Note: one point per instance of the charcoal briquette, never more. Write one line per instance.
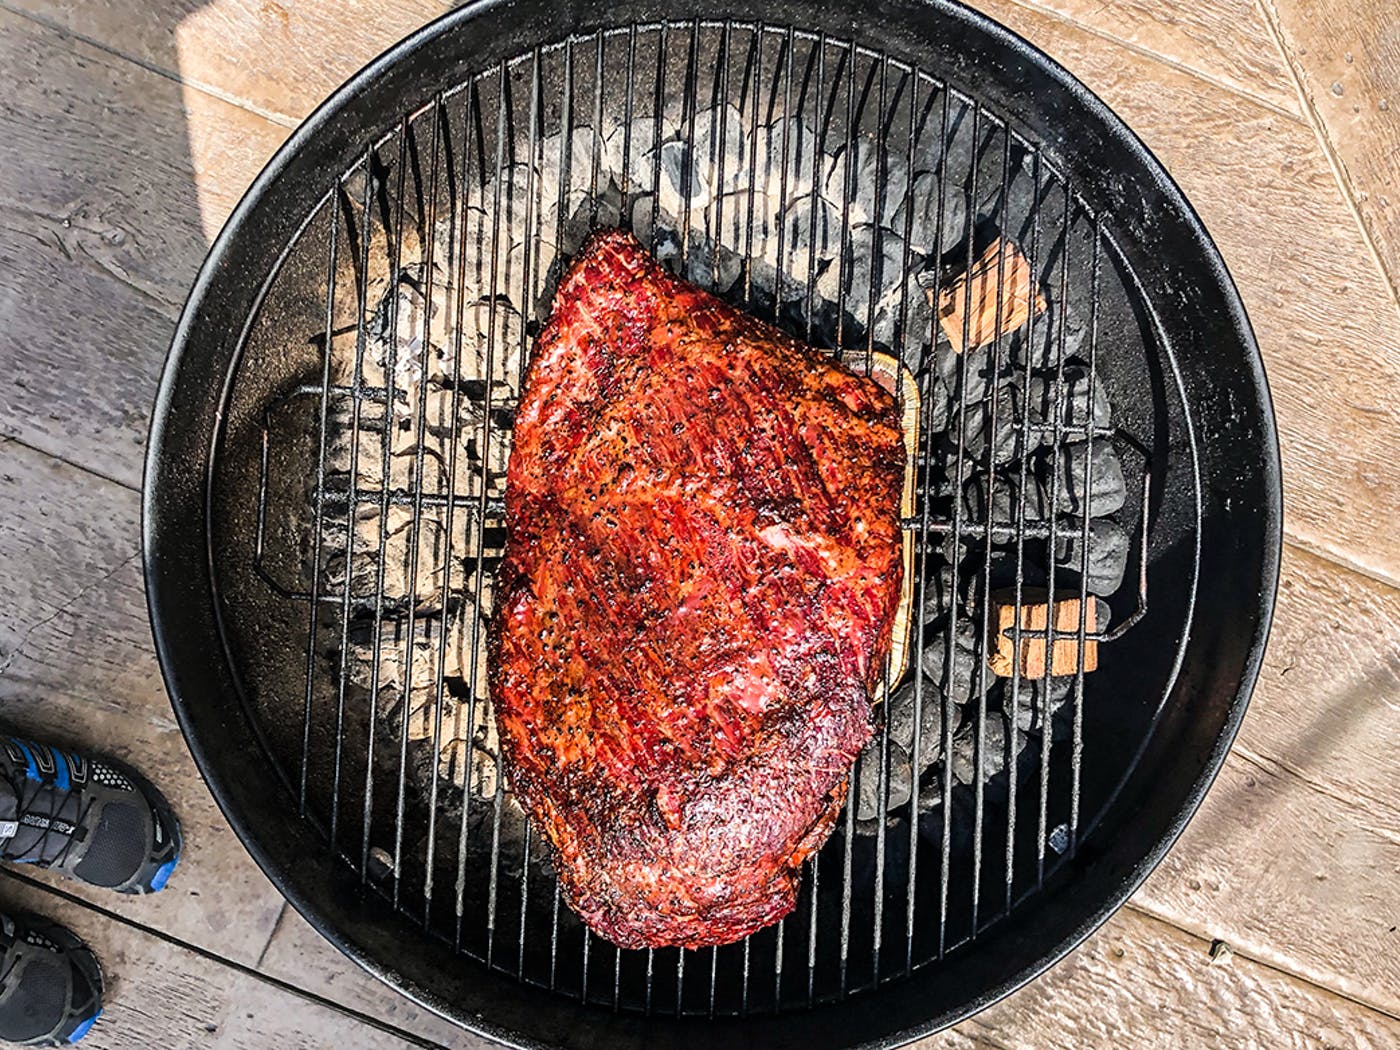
(1009, 503)
(1085, 478)
(930, 709)
(1104, 560)
(898, 781)
(1033, 696)
(964, 755)
(1071, 392)
(966, 671)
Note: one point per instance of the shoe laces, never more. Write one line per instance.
(46, 806)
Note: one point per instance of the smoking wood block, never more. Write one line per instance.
(994, 297)
(1004, 653)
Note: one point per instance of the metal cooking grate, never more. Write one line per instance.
(816, 183)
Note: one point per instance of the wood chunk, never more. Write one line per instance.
(1000, 279)
(1002, 649)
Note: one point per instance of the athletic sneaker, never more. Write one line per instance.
(90, 819)
(50, 984)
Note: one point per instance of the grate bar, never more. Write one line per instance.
(313, 616)
(415, 529)
(390, 366)
(343, 677)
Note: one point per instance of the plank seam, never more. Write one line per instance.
(272, 116)
(64, 607)
(1157, 56)
(1334, 160)
(29, 446)
(1340, 560)
(1267, 964)
(232, 964)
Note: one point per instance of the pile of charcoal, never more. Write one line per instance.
(842, 241)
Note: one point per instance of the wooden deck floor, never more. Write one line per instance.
(126, 136)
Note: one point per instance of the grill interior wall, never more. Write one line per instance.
(446, 240)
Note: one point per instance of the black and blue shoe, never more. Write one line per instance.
(50, 984)
(89, 819)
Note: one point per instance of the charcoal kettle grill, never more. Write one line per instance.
(323, 508)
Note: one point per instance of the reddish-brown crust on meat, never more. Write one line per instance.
(701, 575)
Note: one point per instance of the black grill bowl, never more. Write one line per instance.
(1160, 714)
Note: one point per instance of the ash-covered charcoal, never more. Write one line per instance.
(411, 313)
(809, 239)
(720, 147)
(1084, 478)
(785, 148)
(1072, 392)
(918, 217)
(1009, 504)
(899, 785)
(868, 184)
(967, 660)
(493, 334)
(1104, 561)
(566, 173)
(963, 759)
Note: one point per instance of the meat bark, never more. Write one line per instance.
(701, 576)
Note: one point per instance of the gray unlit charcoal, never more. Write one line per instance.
(1009, 443)
(1043, 343)
(1009, 503)
(922, 693)
(938, 594)
(918, 216)
(898, 781)
(1034, 698)
(968, 376)
(963, 761)
(1085, 479)
(966, 670)
(1104, 561)
(903, 316)
(1071, 391)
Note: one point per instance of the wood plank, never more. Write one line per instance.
(100, 235)
(1139, 982)
(1226, 41)
(301, 956)
(77, 667)
(1143, 976)
(1295, 854)
(1326, 322)
(1346, 55)
(1292, 876)
(159, 994)
(280, 59)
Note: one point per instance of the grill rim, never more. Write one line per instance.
(187, 626)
